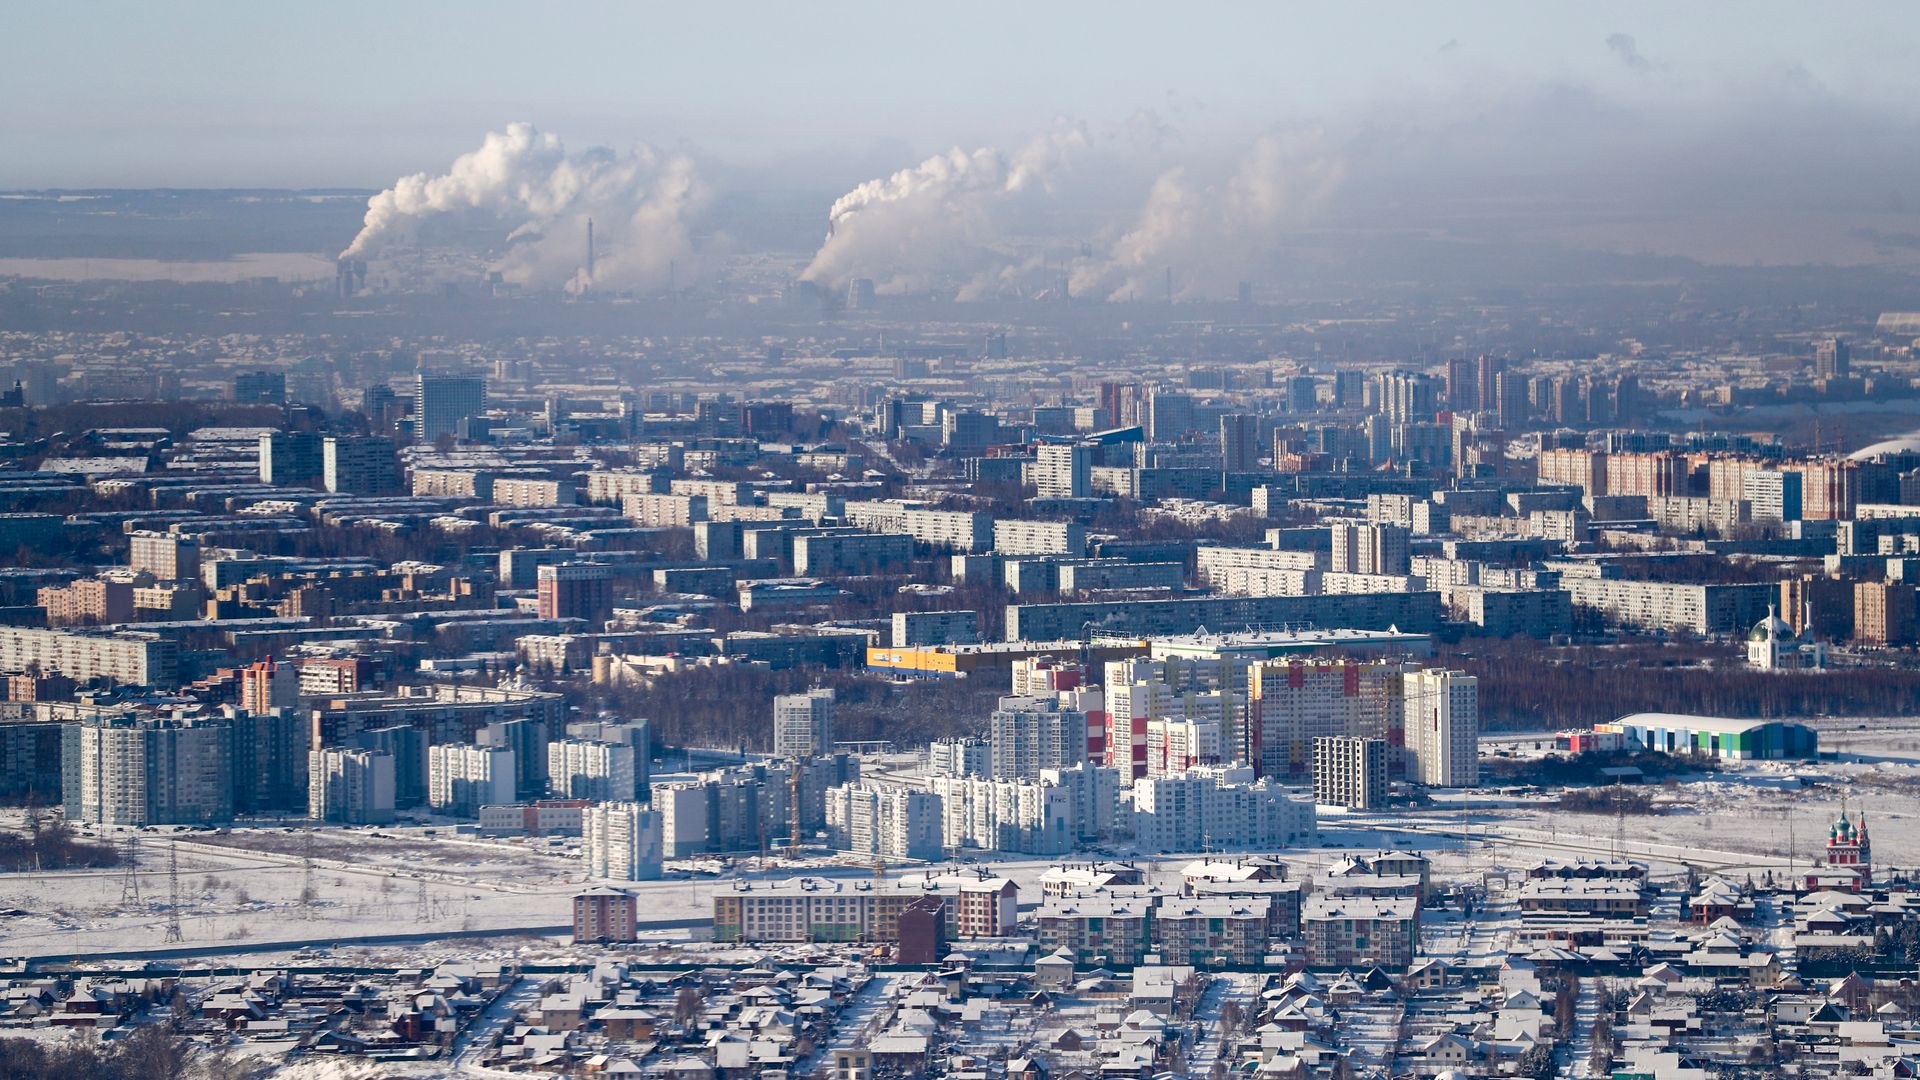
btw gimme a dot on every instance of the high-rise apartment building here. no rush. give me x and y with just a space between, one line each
803 724
1773 494
292 458
167 556
527 737
1292 703
1350 772
269 684
350 786
1240 442
1371 549
960 757
1063 471
575 591
590 769
1120 404
1212 808
1176 744
1405 396
1168 415
260 388
1303 394
407 746
447 405
623 841
1442 727
148 771
884 822
1463 385
1832 359
1883 613
360 465
1488 371
461 778
1829 489
1050 814
1034 733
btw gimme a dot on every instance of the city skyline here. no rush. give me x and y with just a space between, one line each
866 542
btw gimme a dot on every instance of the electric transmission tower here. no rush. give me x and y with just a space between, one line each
173 891
130 874
422 910
306 872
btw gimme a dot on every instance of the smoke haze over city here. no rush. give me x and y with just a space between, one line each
989 541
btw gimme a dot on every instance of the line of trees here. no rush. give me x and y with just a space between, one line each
732 705
1524 687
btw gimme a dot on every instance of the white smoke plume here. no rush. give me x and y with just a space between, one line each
1214 236
524 181
940 221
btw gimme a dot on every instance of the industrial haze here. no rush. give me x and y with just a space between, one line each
861 540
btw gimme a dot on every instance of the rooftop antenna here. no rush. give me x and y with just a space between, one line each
173 891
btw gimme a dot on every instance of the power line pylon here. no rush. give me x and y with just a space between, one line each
173 891
306 873
130 874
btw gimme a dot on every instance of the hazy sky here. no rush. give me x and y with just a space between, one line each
346 92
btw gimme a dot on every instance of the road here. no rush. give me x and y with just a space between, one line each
1243 987
472 1045
1586 1009
851 1027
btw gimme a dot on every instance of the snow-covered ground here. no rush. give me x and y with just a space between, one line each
244 890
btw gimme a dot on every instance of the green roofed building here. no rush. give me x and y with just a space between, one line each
1716 736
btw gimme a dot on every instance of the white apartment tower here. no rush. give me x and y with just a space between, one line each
1034 733
1371 549
350 786
803 724
1442 727
461 777
887 823
1063 471
590 769
960 757
623 841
